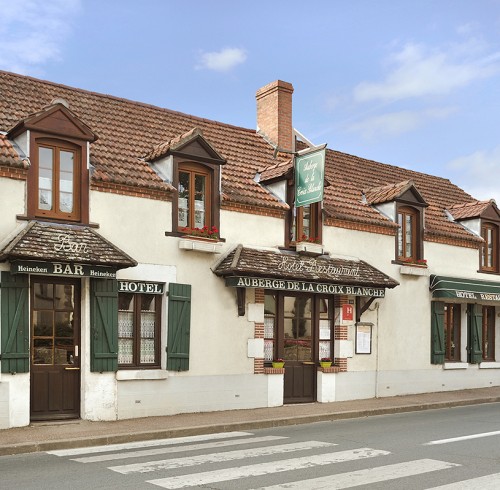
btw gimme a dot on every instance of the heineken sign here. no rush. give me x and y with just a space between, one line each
303 286
62 269
309 177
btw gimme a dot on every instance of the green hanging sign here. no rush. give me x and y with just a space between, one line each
309 177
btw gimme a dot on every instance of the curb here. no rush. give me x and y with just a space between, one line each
33 447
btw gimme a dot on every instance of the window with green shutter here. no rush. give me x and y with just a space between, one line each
475 334
437 333
104 326
14 323
179 323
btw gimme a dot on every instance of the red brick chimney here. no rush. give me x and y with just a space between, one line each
274 113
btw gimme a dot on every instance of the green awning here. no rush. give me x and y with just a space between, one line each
468 289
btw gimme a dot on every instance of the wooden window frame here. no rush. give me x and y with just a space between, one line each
295 220
81 179
494 229
136 350
488 337
212 199
417 233
452 324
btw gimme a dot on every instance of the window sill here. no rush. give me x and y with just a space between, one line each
140 374
455 365
199 244
309 248
414 270
489 365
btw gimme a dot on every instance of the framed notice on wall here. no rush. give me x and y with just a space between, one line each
364 338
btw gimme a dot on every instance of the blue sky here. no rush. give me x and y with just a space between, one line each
410 83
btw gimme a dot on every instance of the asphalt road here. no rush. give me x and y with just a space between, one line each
448 449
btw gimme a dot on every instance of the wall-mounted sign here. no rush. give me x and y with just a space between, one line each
347 313
141 287
303 286
363 338
291 264
62 269
309 177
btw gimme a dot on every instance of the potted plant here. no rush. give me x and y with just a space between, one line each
309 245
325 362
278 363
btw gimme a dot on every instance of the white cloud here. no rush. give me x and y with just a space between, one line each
478 173
32 32
419 71
395 123
223 60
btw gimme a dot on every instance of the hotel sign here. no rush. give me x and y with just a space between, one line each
62 269
309 177
303 286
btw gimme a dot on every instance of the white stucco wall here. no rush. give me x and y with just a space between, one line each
12 203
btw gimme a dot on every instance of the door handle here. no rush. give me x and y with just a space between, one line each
72 369
307 362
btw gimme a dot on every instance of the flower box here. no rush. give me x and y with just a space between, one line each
278 364
201 244
309 248
325 364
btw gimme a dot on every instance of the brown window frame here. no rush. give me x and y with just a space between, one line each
416 252
493 229
488 333
136 350
294 227
81 177
453 323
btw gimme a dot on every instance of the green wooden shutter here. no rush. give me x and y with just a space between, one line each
104 327
437 333
476 333
14 319
179 322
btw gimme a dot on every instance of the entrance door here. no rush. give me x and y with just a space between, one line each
55 339
299 341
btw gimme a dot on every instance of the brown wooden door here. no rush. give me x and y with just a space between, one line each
55 341
299 349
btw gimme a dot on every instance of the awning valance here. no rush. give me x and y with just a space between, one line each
469 289
246 267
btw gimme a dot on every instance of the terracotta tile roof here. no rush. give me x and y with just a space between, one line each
245 261
129 130
469 210
9 156
64 243
387 193
275 171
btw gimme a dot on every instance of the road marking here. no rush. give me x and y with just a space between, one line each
176 449
368 476
462 438
168 464
228 474
156 442
488 482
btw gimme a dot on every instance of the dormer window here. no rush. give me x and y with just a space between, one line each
58 178
306 223
489 251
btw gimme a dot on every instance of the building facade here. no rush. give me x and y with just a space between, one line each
153 263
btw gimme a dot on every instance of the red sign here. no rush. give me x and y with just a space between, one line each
347 312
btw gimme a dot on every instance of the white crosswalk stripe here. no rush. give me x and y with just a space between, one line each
167 464
368 476
488 482
153 443
176 449
274 467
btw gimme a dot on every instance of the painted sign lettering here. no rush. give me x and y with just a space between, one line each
65 244
140 287
288 264
62 269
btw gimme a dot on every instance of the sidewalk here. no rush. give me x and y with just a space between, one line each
81 433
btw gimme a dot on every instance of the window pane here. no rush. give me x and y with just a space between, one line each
400 235
43 322
125 351
45 177
63 297
42 351
183 199
66 176
199 200
306 221
64 351
408 236
64 324
148 324
43 296
297 320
